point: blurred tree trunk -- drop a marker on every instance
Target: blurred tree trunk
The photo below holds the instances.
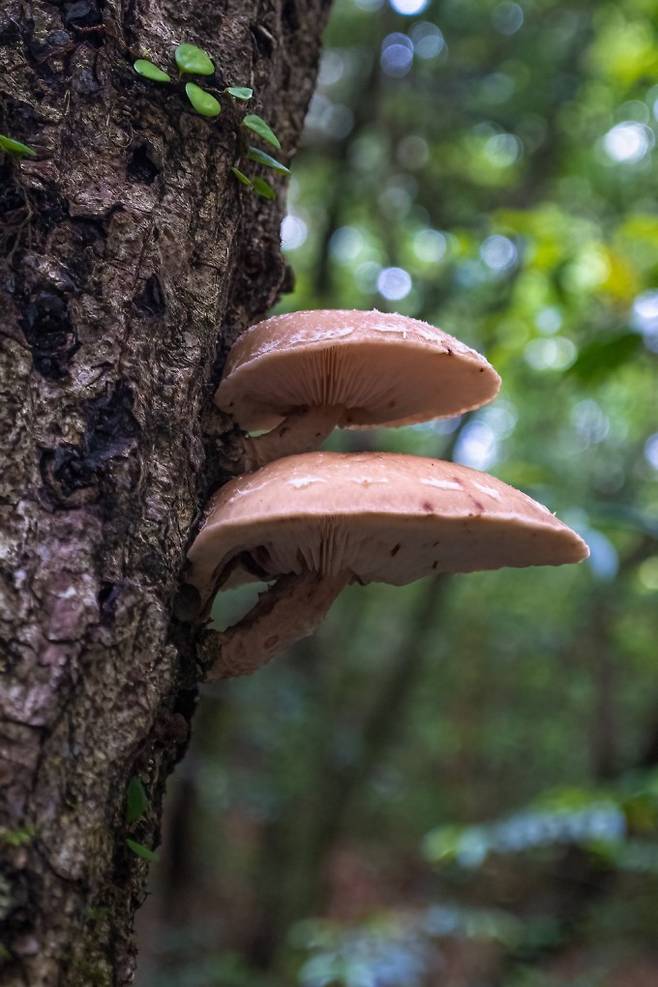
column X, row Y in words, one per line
column 129, row 258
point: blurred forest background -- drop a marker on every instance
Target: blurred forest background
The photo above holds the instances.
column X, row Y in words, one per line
column 456, row 783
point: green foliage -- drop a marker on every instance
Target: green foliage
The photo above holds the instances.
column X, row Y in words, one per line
column 11, row 146
column 602, row 357
column 349, row 955
column 239, row 92
column 192, row 60
column 262, row 187
column 150, row 71
column 587, row 822
column 615, row 829
column 203, row 102
column 261, row 157
column 241, row 177
column 256, row 124
column 137, row 802
column 141, row 851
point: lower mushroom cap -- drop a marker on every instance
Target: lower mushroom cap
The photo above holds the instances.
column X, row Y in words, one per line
column 380, row 516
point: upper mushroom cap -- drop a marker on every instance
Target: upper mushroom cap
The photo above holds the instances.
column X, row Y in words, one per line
column 381, row 516
column 383, row 369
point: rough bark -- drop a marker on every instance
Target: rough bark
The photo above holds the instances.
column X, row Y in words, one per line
column 129, row 259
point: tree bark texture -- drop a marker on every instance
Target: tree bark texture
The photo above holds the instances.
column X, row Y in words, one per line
column 130, row 258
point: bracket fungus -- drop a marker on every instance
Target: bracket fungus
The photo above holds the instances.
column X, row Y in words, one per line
column 302, row 374
column 318, row 521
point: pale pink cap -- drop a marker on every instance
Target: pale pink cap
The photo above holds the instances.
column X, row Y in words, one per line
column 381, row 368
column 383, row 517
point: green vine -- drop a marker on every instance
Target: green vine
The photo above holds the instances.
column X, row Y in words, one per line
column 192, row 60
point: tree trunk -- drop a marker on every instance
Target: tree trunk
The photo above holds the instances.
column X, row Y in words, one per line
column 130, row 257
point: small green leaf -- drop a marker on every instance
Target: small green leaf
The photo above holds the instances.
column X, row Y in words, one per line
column 11, row 146
column 239, row 92
column 241, row 177
column 260, row 157
column 263, row 188
column 193, row 60
column 258, row 125
column 141, row 851
column 136, row 800
column 203, row 102
column 150, row 71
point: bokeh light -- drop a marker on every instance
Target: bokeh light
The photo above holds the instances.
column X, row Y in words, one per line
column 409, row 7
column 477, row 445
column 397, row 55
column 346, row 244
column 498, row 253
column 427, row 39
column 507, row 18
column 648, row 574
column 644, row 316
column 556, row 353
column 332, row 68
column 590, row 420
column 628, row 142
column 651, row 451
column 503, row 149
column 430, row 245
column 294, row 232
column 548, row 320
column 394, row 283
column 603, row 558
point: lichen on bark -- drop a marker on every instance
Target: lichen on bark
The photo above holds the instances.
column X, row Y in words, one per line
column 130, row 258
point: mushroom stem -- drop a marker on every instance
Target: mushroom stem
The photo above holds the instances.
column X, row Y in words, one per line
column 287, row 612
column 300, row 431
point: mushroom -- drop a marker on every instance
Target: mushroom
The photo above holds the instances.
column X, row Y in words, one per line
column 300, row 375
column 318, row 521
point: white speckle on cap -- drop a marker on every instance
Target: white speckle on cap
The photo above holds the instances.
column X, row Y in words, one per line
column 489, row 491
column 391, row 327
column 318, row 335
column 338, row 333
column 305, row 481
column 252, row 488
column 442, row 484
